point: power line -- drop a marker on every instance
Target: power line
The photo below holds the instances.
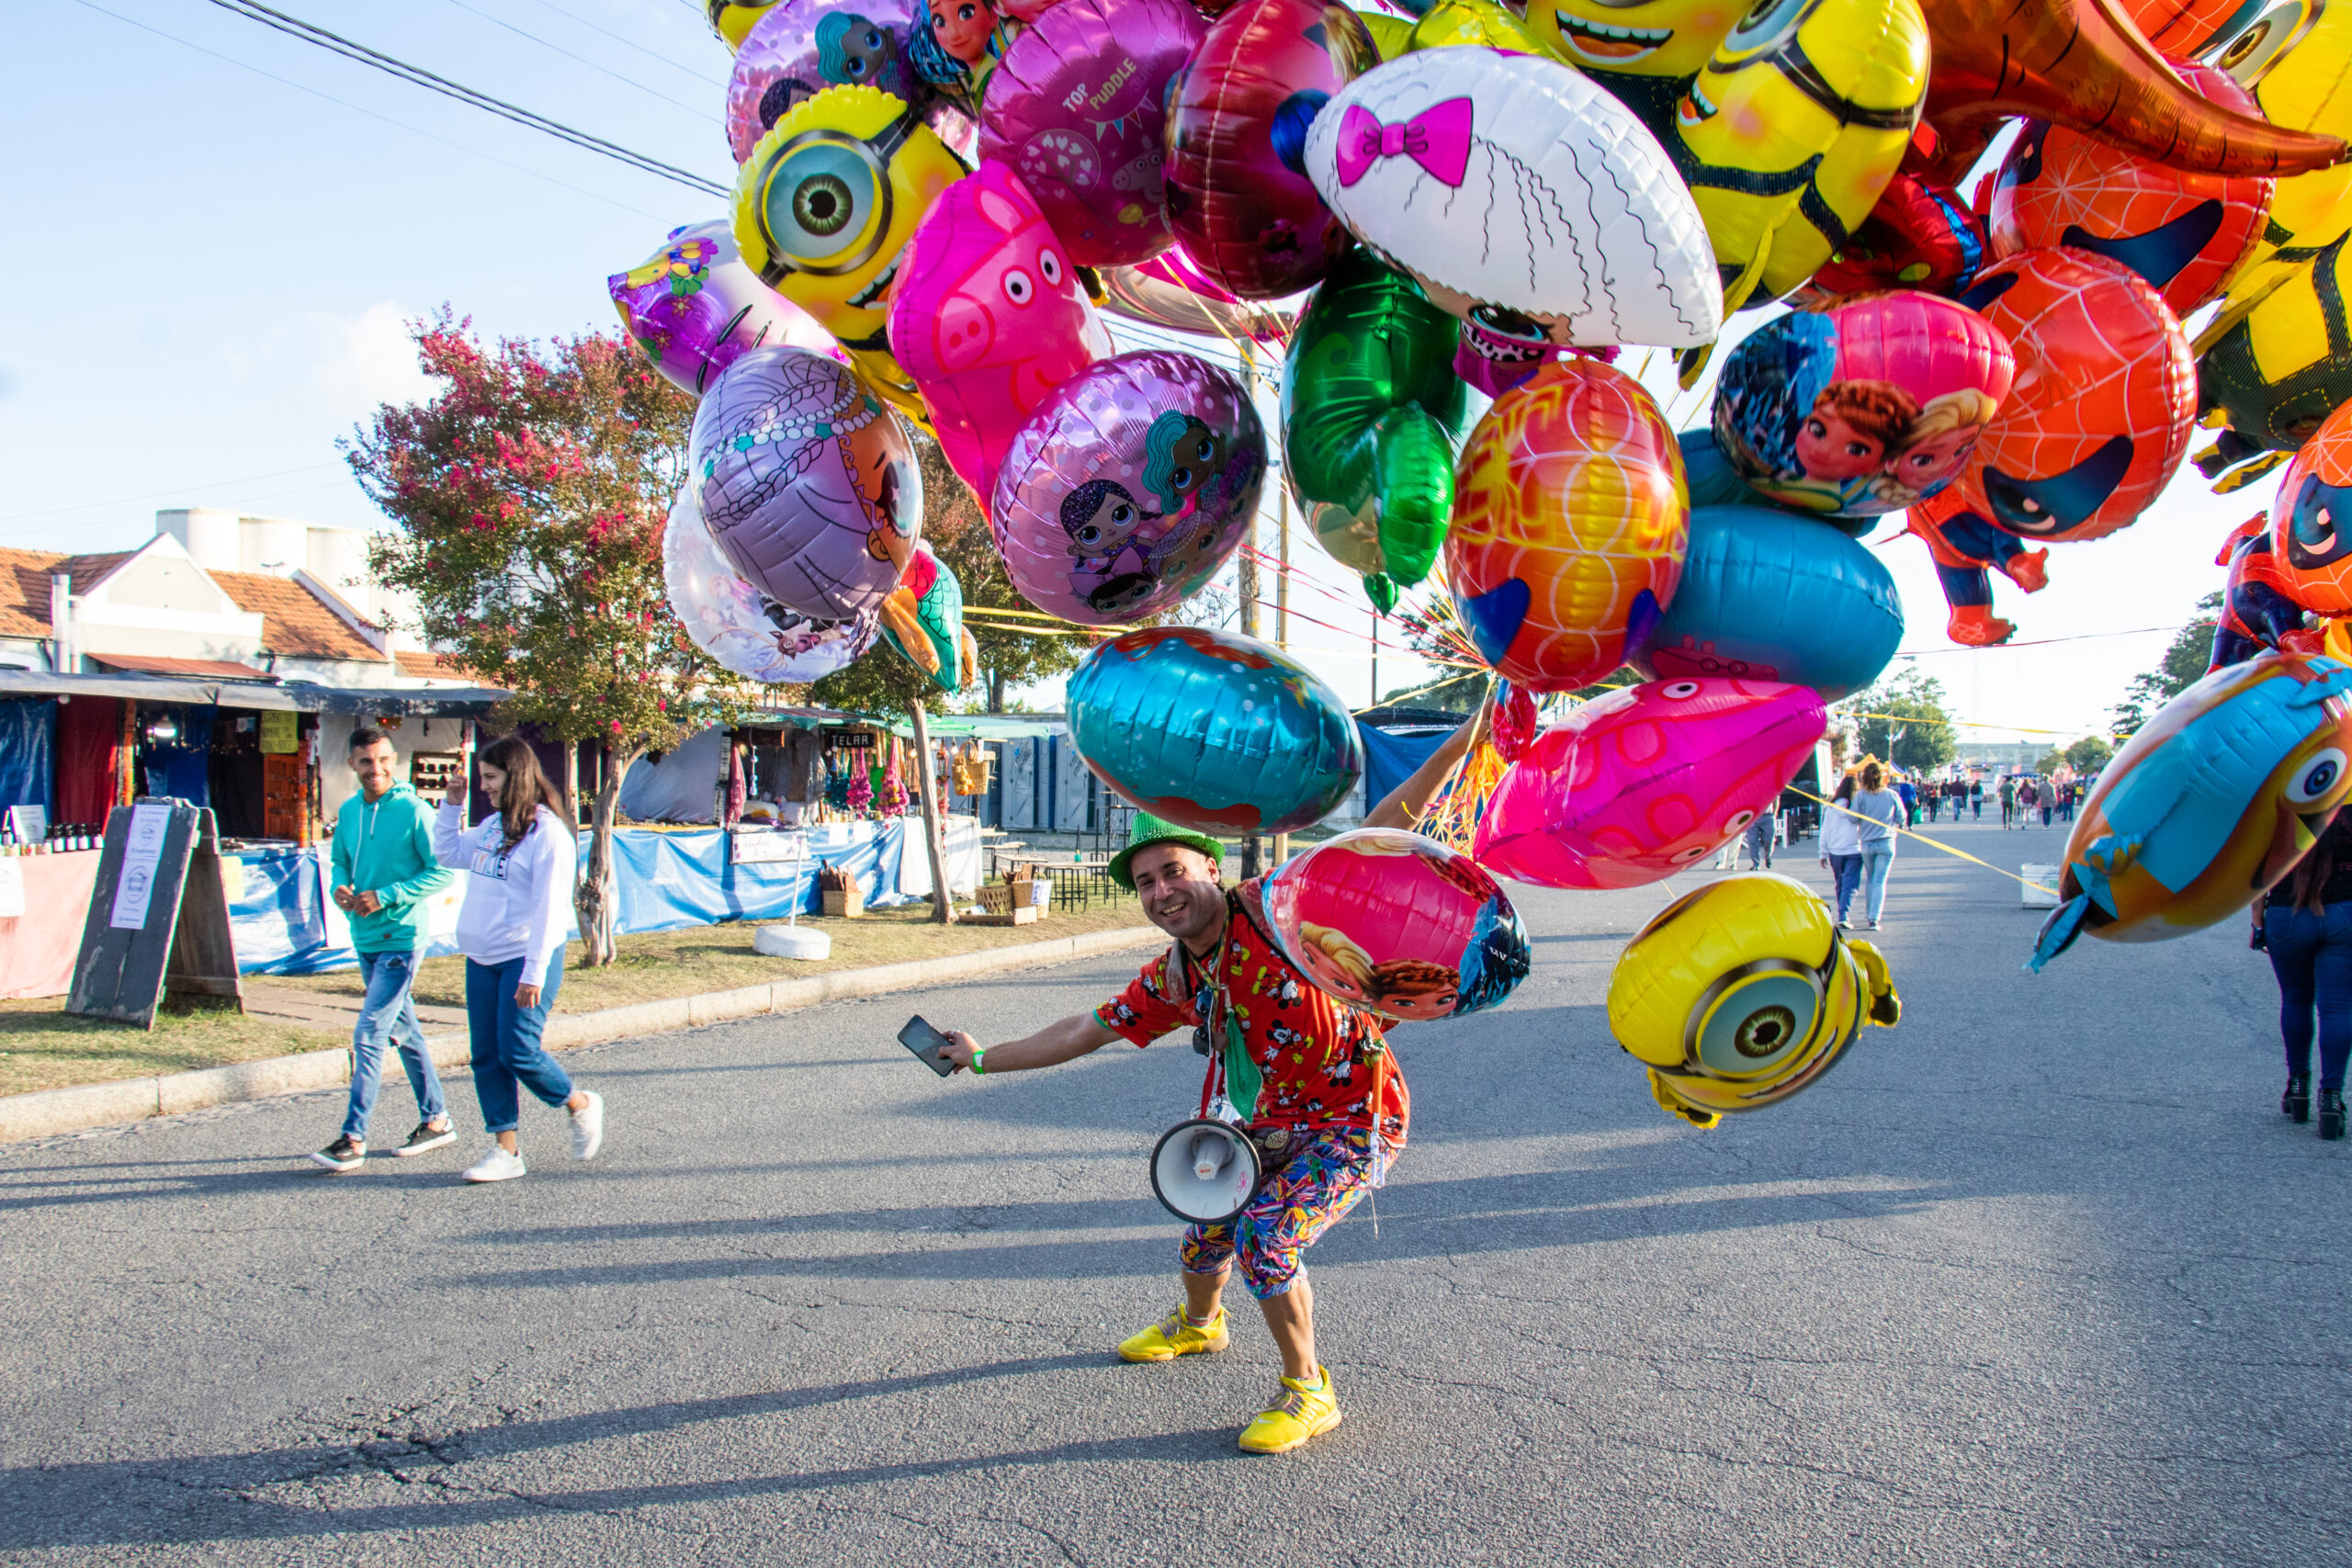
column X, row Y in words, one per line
column 701, row 109
column 176, row 490
column 696, row 71
column 371, row 113
column 417, row 76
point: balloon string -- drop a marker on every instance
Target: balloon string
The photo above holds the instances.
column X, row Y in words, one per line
column 1923, row 838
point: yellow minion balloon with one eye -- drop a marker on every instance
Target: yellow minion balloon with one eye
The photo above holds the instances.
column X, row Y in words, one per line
column 2295, row 57
column 732, row 20
column 1477, row 24
column 1742, row 993
column 823, row 209
column 1643, row 52
column 1793, row 130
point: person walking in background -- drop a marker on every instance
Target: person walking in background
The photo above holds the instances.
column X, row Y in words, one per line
column 1841, row 845
column 2049, row 798
column 2027, row 796
column 1881, row 812
column 1976, row 799
column 384, row 869
column 2008, row 801
column 1908, row 792
column 2306, row 924
column 2074, row 792
column 511, row 930
column 1935, row 797
column 1759, row 839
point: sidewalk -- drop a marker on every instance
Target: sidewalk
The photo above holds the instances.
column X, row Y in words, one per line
column 54, row 1111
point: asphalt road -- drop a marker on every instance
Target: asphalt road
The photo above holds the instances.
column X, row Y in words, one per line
column 2041, row 1275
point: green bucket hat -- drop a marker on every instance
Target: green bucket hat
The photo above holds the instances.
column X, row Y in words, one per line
column 1149, row 831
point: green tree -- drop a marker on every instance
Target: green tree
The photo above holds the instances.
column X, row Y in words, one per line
column 2050, row 761
column 2182, row 667
column 1904, row 721
column 530, row 493
column 2088, row 755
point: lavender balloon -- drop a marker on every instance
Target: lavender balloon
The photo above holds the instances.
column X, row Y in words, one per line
column 1130, row 487
column 808, row 484
column 696, row 309
column 803, row 46
column 732, row 622
column 1078, row 107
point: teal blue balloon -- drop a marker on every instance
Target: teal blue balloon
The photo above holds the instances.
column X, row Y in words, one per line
column 1212, row 731
column 1768, row 595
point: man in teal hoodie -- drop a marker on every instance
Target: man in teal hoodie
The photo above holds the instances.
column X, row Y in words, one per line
column 384, row 870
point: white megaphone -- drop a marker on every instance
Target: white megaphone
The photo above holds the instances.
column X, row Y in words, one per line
column 1204, row 1171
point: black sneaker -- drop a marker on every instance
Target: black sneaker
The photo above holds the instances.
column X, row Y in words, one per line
column 343, row 1154
column 425, row 1138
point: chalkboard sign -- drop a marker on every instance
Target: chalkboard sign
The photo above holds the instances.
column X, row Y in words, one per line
column 159, row 916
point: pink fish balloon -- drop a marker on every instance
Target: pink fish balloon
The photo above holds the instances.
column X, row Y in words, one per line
column 989, row 319
column 1643, row 782
column 1079, row 106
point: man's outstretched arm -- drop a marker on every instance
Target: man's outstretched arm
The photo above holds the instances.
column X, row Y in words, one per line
column 1050, row 1046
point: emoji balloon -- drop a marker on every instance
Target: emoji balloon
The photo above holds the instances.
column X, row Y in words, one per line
column 734, row 623
column 1864, row 405
column 695, row 308
column 1569, row 524
column 1127, row 490
column 1399, row 924
column 989, row 319
column 1642, row 781
column 1212, row 731
column 1522, row 198
column 1741, row 993
column 2209, row 804
column 808, row 484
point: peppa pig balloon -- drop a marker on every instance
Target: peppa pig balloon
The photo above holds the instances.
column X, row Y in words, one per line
column 802, row 47
column 734, row 623
column 808, row 482
column 1236, row 121
column 989, row 318
column 1078, row 107
column 695, row 308
column 1126, row 492
column 1397, row 923
column 1647, row 779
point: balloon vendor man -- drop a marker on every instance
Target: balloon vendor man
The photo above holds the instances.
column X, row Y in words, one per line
column 1318, row 1092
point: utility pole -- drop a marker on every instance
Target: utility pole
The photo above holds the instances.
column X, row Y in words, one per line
column 1248, row 582
column 1282, row 605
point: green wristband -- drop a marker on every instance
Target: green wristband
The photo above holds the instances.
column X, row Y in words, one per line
column 978, row 1052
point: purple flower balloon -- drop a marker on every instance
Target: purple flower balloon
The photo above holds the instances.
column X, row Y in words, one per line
column 1130, row 487
column 694, row 308
column 1078, row 107
column 809, row 483
column 803, row 46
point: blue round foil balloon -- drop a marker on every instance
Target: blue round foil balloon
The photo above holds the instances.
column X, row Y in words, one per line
column 1213, row 731
column 1768, row 595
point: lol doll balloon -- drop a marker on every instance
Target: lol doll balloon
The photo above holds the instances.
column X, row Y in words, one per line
column 1237, row 117
column 1079, row 109
column 1397, row 923
column 1129, row 488
column 1865, row 405
column 1372, row 416
column 1522, row 198
column 808, row 484
column 1643, row 781
column 695, row 308
column 1570, row 520
column 956, row 45
column 800, row 48
column 1213, row 731
column 989, row 319
column 2184, row 233
column 734, row 623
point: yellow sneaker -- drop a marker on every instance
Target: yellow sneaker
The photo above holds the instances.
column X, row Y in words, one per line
column 1172, row 1337
column 1297, row 1414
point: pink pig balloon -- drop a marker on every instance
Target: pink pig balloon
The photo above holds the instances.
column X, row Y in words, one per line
column 1643, row 782
column 989, row 319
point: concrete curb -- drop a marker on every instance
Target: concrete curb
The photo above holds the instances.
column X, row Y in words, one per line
column 86, row 1106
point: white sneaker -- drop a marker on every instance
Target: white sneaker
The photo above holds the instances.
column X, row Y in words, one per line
column 497, row 1165
column 588, row 1127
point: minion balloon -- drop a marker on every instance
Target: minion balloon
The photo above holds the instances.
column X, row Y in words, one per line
column 1741, row 993
column 2212, row 801
column 823, row 209
column 1790, row 134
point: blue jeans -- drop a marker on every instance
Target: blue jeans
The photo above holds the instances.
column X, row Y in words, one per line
column 388, row 1016
column 1877, row 859
column 2310, row 951
column 506, row 1040
column 1848, row 870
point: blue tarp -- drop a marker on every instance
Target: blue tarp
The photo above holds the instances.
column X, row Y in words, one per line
column 27, row 751
column 1389, row 759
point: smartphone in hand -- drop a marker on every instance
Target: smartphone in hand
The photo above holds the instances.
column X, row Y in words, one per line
column 929, row 1045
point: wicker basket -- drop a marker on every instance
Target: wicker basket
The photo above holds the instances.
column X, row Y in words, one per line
column 1003, row 897
column 849, row 902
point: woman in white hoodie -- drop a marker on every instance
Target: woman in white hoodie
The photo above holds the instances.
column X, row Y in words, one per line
column 518, row 866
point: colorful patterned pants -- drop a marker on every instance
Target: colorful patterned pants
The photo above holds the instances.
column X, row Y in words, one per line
column 1298, row 1200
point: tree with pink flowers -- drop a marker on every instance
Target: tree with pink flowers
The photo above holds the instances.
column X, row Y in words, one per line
column 530, row 493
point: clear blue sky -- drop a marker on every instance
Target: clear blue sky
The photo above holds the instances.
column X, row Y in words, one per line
column 216, row 265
